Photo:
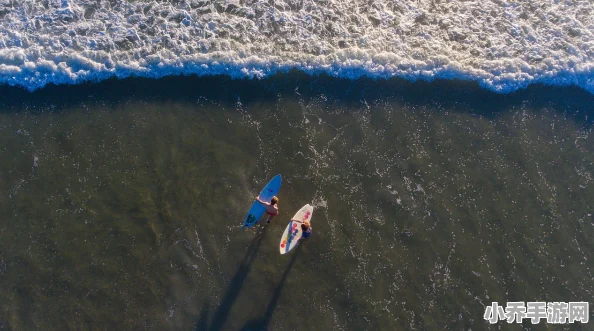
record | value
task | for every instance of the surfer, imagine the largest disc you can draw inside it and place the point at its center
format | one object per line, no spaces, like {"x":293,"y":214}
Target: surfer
{"x":306,"y":230}
{"x":271,"y":207}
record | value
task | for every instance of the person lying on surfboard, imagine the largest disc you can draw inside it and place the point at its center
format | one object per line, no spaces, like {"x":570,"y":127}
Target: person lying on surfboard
{"x":271,"y":207}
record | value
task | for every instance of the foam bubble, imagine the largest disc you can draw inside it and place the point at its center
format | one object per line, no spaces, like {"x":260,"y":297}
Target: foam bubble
{"x":504,"y":46}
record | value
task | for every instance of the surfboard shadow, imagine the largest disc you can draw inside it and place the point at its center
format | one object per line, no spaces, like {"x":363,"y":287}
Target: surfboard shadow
{"x":235,"y":286}
{"x":261,"y":324}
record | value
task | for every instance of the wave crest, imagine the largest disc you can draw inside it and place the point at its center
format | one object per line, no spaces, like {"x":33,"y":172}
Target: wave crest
{"x":502,"y":45}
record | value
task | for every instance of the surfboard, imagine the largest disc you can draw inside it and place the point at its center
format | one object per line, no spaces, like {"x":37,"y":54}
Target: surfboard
{"x":293,"y":231}
{"x":257,"y":210}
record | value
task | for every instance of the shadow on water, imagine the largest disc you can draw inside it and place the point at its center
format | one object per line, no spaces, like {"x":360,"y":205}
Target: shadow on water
{"x":235,"y":286}
{"x":203,"y":321}
{"x":441,"y":93}
{"x":262,"y":322}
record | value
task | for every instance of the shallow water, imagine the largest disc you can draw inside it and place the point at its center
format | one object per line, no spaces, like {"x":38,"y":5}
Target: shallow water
{"x":122,"y":203}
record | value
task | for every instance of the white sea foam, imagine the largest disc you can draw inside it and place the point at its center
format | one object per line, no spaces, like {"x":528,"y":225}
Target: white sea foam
{"x":504,"y":45}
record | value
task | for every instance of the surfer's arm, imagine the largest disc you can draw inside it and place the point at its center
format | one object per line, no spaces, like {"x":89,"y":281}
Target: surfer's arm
{"x":262,"y":202}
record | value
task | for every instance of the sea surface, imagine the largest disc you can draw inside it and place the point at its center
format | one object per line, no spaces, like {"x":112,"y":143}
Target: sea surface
{"x":446,"y":147}
{"x":122,"y":203}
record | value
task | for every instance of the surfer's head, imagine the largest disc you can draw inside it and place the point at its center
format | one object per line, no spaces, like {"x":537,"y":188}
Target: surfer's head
{"x":305,"y":226}
{"x":274,"y":201}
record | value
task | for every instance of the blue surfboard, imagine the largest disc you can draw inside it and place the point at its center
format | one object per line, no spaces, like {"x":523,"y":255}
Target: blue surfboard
{"x":255,"y":213}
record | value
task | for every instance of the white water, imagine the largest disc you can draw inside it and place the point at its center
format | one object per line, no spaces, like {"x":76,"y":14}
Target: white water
{"x":504,"y":45}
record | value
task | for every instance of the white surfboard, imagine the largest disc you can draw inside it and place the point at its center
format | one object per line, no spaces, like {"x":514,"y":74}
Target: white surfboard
{"x":293,"y":231}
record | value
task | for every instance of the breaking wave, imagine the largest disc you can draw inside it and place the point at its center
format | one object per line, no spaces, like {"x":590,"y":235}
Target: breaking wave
{"x":503,"y":45}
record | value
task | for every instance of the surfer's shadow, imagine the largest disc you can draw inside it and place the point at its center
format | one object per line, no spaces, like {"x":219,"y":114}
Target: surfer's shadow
{"x":262,"y":323}
{"x":221,"y":314}
{"x":233,"y":290}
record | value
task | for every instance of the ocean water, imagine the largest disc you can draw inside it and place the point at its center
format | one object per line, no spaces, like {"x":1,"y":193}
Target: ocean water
{"x":503,"y":45}
{"x":121,"y":203}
